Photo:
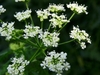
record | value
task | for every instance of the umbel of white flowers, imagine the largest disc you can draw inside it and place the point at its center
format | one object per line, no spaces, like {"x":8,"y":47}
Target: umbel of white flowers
{"x":18,"y":66}
{"x":6,"y":30}
{"x":58,"y":20}
{"x":77,"y":8}
{"x":49,"y":39}
{"x":31,"y":31}
{"x":80,"y":35}
{"x":56,"y":62}
{"x":55,"y":19}
{"x":23,"y":15}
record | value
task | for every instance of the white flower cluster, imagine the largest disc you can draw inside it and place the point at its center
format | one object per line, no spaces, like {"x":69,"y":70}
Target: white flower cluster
{"x":80,"y":35}
{"x":43,"y":14}
{"x":77,"y":8}
{"x":18,"y":66}
{"x":19,"y":0}
{"x":56,"y":8}
{"x":6,"y":30}
{"x":56,"y":62}
{"x":23,"y":15}
{"x":2,"y":10}
{"x":31,"y":31}
{"x":49,"y":39}
{"x":52,"y":12}
{"x":58,"y":20}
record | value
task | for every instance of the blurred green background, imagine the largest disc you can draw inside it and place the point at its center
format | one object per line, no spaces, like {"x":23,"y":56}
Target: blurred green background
{"x":83,"y":62}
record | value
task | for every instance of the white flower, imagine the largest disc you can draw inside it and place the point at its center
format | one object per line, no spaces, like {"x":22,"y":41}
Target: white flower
{"x":7,"y":30}
{"x":77,"y":8}
{"x":80,"y":35}
{"x":56,"y":8}
{"x":23,"y":15}
{"x":82,"y":44}
{"x":49,"y":39}
{"x":31,"y":31}
{"x":2,"y":10}
{"x":18,"y":66}
{"x":58,"y":20}
{"x":21,"y":68}
{"x":43,"y":14}
{"x":53,"y":61}
{"x":19,"y":0}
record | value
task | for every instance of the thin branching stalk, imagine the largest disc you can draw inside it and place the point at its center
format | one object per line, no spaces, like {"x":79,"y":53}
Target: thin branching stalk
{"x":31,"y":15}
{"x":34,"y":55}
{"x":67,"y":22}
{"x":67,"y":42}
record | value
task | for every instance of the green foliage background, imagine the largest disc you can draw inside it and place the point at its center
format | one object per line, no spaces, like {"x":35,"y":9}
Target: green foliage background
{"x":83,"y":62}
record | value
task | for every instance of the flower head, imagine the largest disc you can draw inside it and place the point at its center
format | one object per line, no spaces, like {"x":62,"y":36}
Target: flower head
{"x":7,"y":30}
{"x":18,"y":66}
{"x":43,"y":14}
{"x":23,"y":15}
{"x":80,"y":35}
{"x":56,"y":8}
{"x":2,"y":10}
{"x":58,"y":20}
{"x":31,"y":31}
{"x":77,"y":8}
{"x":56,"y":62}
{"x":49,"y":39}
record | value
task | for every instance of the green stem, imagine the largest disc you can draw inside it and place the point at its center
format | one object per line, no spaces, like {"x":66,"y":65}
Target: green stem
{"x":34,"y":55}
{"x":67,"y":22}
{"x":40,"y":52}
{"x":32,"y":43}
{"x":30,"y":15}
{"x":37,"y":40}
{"x":44,"y":51}
{"x":67,"y":42}
{"x":72,"y":16}
{"x":26,"y":5}
{"x":31,"y":20}
{"x":49,"y":27}
{"x":42,"y":24}
{"x":26,"y":22}
{"x":41,"y":43}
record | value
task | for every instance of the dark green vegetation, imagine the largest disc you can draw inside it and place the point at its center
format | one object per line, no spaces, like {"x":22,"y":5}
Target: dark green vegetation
{"x":83,"y":62}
